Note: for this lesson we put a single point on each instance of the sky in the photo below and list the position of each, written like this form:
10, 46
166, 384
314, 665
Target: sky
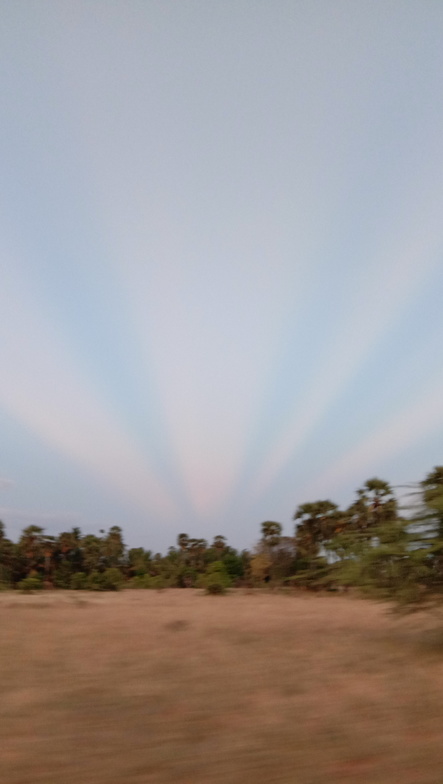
221, 260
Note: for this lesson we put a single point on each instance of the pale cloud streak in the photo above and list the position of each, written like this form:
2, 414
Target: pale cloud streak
46, 393
206, 312
208, 372
386, 285
410, 425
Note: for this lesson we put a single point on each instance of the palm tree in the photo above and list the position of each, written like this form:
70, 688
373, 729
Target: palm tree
196, 550
183, 542
432, 493
271, 533
374, 506
219, 543
315, 524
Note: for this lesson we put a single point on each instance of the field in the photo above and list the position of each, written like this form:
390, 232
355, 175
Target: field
175, 687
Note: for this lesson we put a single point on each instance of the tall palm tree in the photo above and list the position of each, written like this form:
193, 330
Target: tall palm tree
315, 524
183, 542
219, 543
271, 533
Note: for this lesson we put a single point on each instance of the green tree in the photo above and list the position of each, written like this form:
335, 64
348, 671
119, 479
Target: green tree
196, 553
432, 496
92, 553
234, 564
139, 561
271, 533
113, 548
33, 551
260, 566
377, 550
375, 505
183, 542
219, 543
427, 532
9, 562
68, 557
315, 524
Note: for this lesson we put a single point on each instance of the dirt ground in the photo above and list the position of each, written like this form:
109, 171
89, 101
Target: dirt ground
176, 687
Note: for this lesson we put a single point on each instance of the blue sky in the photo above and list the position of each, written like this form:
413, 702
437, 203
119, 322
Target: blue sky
221, 244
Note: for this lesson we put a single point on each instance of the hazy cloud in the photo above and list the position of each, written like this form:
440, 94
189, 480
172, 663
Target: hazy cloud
6, 484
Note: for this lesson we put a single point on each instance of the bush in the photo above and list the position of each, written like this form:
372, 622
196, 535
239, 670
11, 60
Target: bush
158, 582
216, 580
95, 582
112, 579
79, 581
187, 578
215, 584
5, 578
30, 584
201, 581
109, 580
61, 577
140, 581
234, 566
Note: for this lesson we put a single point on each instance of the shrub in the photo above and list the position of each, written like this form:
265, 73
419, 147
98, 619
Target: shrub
5, 577
95, 581
30, 584
158, 582
215, 584
201, 581
140, 581
234, 566
216, 579
187, 578
111, 580
79, 581
61, 577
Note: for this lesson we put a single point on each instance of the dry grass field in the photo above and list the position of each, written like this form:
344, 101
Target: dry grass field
175, 687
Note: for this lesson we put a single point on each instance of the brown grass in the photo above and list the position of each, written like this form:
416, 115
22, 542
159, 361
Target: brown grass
180, 688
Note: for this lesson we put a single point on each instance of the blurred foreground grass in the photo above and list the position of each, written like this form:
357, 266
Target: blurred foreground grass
176, 687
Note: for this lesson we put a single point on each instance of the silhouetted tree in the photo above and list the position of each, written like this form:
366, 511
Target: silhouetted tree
271, 533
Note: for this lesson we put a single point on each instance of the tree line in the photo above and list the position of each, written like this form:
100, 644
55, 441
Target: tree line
72, 560
372, 545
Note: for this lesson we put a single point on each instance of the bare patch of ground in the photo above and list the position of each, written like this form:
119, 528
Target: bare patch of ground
175, 687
